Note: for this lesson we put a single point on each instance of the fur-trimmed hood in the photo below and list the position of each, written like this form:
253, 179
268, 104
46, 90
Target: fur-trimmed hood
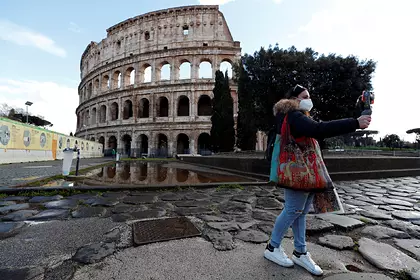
284, 106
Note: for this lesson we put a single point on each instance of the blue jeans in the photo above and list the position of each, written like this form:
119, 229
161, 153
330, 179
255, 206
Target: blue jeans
297, 205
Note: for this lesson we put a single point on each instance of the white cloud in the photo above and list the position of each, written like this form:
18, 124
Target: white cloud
57, 103
214, 2
385, 32
278, 1
75, 28
23, 36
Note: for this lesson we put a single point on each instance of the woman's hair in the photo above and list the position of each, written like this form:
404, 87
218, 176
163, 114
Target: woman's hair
295, 91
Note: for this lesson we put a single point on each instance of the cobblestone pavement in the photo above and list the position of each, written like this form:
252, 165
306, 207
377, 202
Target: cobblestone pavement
380, 230
22, 173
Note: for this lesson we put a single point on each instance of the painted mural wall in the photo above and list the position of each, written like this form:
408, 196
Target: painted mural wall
24, 143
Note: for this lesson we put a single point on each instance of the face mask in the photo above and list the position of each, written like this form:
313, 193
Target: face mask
306, 105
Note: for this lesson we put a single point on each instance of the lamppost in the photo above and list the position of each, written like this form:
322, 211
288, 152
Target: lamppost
28, 103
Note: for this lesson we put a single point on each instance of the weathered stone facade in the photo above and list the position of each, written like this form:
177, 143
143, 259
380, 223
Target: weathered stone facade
131, 94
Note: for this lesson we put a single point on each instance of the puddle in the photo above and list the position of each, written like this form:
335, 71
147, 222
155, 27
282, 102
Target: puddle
161, 173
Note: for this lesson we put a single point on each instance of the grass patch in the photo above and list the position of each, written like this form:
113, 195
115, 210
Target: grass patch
402, 275
3, 195
229, 186
366, 221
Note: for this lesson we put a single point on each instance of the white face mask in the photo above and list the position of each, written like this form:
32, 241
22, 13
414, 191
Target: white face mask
306, 105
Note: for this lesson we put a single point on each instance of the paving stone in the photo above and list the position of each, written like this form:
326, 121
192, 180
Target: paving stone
20, 215
94, 253
13, 207
264, 193
16, 198
247, 225
385, 256
159, 205
112, 235
358, 276
61, 204
233, 207
407, 215
408, 199
382, 191
100, 201
40, 199
8, 229
372, 201
339, 242
415, 275
209, 218
22, 273
148, 214
120, 218
353, 190
253, 236
193, 211
403, 208
224, 226
244, 198
64, 271
375, 215
114, 195
412, 230
355, 202
316, 225
192, 203
220, 199
264, 215
382, 232
82, 196
410, 245
226, 192
417, 222
51, 214
221, 240
386, 208
197, 196
349, 209
364, 219
395, 201
125, 208
401, 194
6, 203
140, 199
88, 212
269, 203
341, 221
374, 194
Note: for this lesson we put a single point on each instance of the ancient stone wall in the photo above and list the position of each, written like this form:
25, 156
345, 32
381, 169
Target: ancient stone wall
147, 87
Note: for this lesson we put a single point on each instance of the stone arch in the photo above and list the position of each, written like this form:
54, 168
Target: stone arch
182, 175
112, 142
164, 71
129, 76
182, 144
203, 144
114, 111
93, 117
143, 145
161, 173
183, 106
128, 109
79, 124
204, 106
205, 69
142, 171
162, 107
116, 80
147, 73
92, 139
144, 107
105, 82
96, 86
89, 90
125, 173
102, 114
226, 65
126, 139
162, 145
184, 70
87, 117
102, 141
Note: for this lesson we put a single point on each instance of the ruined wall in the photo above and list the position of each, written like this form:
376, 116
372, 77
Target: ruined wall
147, 87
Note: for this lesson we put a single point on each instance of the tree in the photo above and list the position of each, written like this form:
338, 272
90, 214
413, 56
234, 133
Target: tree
246, 128
222, 123
417, 132
334, 82
391, 141
18, 114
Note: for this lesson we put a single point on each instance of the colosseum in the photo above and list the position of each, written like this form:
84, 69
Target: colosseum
146, 89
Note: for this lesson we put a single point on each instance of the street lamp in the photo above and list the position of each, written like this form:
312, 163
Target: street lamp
28, 103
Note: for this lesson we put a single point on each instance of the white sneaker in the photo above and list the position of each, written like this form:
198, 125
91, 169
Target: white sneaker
307, 263
278, 256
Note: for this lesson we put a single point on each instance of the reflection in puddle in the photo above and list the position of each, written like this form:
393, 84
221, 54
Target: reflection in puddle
160, 173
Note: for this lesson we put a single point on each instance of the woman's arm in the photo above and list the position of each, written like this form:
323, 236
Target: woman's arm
302, 125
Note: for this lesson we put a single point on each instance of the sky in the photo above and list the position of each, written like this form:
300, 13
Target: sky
41, 43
